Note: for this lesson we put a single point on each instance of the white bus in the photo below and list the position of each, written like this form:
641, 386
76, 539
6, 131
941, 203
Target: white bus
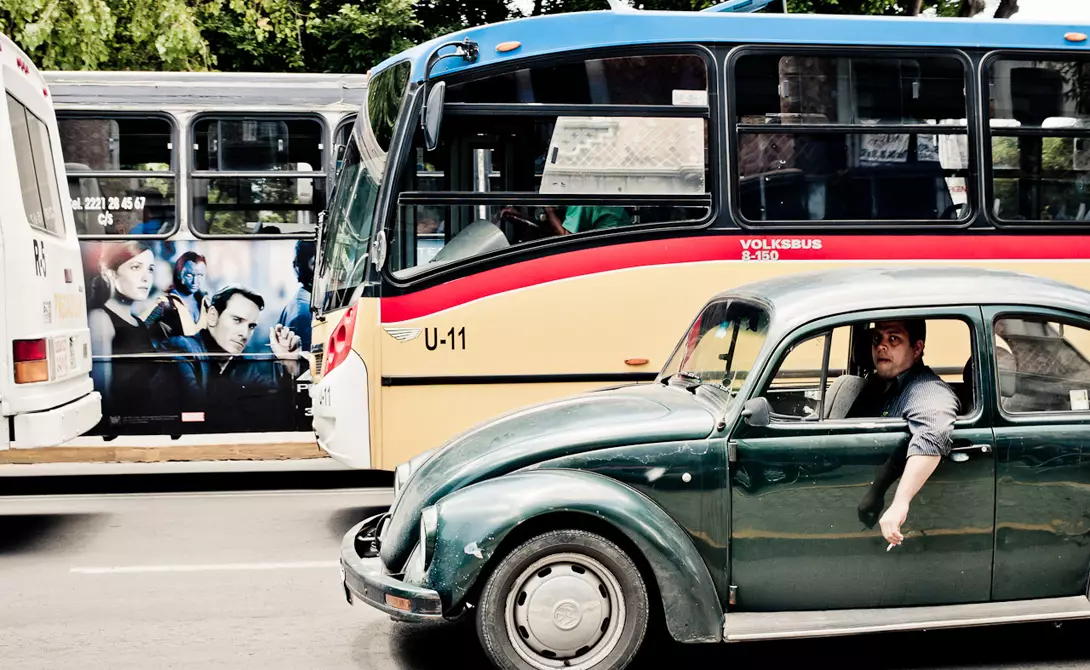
46, 393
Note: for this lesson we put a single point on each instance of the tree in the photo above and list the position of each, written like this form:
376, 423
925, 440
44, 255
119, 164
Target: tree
93, 34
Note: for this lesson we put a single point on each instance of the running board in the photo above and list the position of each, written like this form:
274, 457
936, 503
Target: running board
748, 626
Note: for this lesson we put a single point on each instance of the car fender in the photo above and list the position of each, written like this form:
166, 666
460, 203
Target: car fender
473, 523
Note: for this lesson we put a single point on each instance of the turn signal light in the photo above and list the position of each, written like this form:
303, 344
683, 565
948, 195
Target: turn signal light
35, 371
398, 603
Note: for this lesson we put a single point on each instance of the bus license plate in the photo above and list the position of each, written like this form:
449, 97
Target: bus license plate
64, 356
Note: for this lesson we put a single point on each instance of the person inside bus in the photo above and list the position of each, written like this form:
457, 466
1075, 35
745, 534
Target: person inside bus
577, 218
230, 389
902, 386
184, 308
125, 280
581, 218
296, 314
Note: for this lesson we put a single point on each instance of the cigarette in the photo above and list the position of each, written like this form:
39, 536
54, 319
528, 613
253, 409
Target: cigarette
890, 546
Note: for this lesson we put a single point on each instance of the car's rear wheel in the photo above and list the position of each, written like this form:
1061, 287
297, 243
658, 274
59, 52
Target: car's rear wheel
564, 599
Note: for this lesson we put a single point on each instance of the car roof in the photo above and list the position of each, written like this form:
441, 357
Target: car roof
796, 299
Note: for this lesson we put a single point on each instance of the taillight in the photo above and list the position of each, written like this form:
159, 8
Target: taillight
31, 358
340, 340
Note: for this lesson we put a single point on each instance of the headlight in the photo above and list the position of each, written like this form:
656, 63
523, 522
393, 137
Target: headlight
429, 524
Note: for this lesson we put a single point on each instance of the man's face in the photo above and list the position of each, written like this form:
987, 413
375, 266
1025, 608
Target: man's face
192, 276
233, 328
891, 350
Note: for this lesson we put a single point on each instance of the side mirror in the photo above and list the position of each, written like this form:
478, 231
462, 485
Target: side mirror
433, 114
757, 412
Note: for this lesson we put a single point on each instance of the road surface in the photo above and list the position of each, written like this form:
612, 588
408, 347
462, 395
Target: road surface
250, 580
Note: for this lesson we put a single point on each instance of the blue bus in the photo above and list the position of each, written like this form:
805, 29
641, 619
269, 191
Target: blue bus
532, 209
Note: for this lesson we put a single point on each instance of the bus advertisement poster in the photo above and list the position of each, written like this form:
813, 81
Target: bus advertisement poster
200, 336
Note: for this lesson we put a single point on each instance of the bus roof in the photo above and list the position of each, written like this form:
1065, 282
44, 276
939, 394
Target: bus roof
16, 59
557, 33
250, 90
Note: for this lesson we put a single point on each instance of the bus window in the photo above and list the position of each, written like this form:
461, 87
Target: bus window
121, 178
852, 138
1040, 140
34, 161
607, 172
257, 175
341, 136
625, 80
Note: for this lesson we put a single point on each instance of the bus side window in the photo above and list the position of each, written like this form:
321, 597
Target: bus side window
287, 191
120, 169
850, 138
1040, 139
654, 169
34, 161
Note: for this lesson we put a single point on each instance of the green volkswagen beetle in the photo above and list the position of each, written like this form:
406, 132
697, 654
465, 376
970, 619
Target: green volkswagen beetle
738, 496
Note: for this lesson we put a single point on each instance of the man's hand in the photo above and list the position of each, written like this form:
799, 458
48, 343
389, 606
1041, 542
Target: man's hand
892, 521
284, 343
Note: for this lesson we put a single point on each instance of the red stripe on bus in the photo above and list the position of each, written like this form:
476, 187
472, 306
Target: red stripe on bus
729, 248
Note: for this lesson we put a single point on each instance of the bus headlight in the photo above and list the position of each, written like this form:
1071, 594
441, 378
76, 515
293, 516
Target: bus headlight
429, 524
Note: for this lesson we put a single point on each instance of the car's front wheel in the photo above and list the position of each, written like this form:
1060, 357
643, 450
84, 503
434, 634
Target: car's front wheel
564, 599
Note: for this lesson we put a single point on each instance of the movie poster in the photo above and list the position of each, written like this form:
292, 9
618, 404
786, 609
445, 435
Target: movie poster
200, 336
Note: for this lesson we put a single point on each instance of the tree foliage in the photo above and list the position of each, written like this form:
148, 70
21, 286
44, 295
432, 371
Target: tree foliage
310, 35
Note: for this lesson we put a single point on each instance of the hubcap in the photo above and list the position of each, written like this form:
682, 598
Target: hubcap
565, 611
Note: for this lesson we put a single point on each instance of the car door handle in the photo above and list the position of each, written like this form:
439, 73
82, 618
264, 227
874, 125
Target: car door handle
961, 454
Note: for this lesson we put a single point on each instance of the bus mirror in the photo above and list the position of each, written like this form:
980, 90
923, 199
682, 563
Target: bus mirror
433, 114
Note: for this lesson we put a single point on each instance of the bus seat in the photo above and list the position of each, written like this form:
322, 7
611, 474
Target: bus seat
842, 395
477, 238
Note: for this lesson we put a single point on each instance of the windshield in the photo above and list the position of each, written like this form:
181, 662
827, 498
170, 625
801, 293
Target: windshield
347, 238
722, 346
345, 244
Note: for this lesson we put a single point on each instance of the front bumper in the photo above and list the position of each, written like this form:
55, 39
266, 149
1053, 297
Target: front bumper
365, 581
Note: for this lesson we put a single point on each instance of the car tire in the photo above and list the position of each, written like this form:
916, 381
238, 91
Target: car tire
568, 593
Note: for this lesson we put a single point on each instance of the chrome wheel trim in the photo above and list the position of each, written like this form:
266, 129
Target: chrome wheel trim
561, 609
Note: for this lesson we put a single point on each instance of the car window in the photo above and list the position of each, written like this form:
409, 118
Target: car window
1042, 365
852, 388
796, 389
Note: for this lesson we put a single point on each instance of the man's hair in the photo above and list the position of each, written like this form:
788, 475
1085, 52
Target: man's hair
304, 251
223, 296
917, 330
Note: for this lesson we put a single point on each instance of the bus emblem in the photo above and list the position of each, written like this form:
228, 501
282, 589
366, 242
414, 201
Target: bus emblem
403, 334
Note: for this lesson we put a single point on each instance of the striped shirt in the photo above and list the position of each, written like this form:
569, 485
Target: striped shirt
930, 406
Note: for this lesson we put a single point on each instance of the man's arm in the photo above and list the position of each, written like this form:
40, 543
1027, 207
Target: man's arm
917, 470
931, 410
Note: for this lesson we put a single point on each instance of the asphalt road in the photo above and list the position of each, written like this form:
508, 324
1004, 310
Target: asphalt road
250, 580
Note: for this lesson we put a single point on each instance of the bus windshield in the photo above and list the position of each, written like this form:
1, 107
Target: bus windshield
344, 250
352, 211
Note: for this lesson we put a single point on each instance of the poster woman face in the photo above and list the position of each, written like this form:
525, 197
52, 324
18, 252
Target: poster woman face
132, 279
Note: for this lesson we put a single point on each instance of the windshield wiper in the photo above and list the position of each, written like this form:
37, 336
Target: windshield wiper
687, 376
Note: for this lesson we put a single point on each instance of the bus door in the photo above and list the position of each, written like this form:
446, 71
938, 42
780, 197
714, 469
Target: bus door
46, 390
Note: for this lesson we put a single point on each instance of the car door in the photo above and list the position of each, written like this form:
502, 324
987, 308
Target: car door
1042, 429
801, 529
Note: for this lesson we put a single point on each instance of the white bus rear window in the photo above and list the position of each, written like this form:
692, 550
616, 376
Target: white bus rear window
34, 160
